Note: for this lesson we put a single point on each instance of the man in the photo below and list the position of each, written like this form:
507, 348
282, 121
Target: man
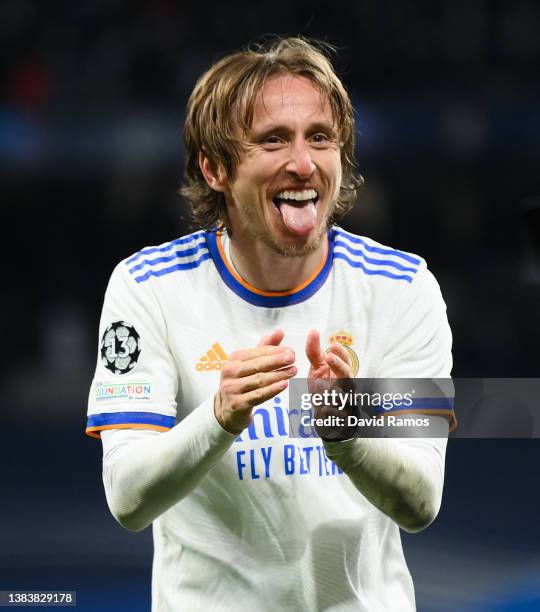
201, 336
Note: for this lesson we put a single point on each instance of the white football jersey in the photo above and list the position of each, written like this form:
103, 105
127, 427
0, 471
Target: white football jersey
274, 525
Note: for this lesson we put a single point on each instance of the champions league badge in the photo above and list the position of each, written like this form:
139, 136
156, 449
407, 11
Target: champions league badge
345, 339
120, 347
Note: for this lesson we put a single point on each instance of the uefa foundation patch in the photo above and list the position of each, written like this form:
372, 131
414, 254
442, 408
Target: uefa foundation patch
120, 347
115, 391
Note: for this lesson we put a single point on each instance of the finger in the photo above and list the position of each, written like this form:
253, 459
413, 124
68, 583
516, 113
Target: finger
261, 395
322, 371
314, 351
340, 351
273, 339
340, 368
264, 363
264, 379
257, 351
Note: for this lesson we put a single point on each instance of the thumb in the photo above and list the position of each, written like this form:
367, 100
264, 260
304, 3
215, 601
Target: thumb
314, 351
273, 339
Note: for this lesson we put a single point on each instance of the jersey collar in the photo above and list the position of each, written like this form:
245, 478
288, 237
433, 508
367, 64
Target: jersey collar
267, 299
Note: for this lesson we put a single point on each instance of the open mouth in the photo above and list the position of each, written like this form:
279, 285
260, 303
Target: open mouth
297, 209
296, 198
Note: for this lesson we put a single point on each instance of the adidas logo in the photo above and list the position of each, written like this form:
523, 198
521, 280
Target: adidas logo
213, 359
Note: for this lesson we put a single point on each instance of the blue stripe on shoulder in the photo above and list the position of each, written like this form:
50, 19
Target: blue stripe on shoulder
165, 258
190, 265
370, 260
379, 272
380, 250
167, 247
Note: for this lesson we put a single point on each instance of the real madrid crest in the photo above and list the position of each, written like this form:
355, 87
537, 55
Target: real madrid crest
346, 340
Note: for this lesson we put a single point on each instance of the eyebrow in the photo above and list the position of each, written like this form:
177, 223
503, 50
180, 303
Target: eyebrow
278, 128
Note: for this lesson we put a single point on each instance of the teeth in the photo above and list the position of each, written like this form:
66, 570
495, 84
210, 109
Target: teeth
298, 196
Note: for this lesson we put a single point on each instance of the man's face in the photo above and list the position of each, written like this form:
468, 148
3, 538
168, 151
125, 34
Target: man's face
288, 179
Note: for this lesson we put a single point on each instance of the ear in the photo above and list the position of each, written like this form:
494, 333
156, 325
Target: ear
216, 177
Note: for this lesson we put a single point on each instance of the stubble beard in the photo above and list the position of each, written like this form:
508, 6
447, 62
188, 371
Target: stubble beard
292, 250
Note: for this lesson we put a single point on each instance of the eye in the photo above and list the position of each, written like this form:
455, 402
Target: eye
272, 140
320, 138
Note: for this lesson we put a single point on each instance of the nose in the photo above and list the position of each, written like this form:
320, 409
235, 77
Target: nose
300, 163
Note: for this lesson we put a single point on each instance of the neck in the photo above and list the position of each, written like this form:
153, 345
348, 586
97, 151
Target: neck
267, 270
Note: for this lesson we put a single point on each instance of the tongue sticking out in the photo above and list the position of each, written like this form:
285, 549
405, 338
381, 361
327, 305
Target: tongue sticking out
299, 218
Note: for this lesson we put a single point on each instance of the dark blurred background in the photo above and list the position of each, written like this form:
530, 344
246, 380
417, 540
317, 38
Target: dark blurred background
93, 93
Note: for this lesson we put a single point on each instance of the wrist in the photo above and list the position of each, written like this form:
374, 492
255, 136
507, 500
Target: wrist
218, 413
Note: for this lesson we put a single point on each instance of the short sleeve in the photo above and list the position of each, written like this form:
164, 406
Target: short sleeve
419, 346
136, 380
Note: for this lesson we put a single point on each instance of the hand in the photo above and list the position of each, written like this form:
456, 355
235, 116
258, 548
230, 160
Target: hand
251, 377
327, 371
333, 364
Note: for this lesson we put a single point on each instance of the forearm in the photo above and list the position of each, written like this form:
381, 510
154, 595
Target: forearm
401, 477
146, 472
